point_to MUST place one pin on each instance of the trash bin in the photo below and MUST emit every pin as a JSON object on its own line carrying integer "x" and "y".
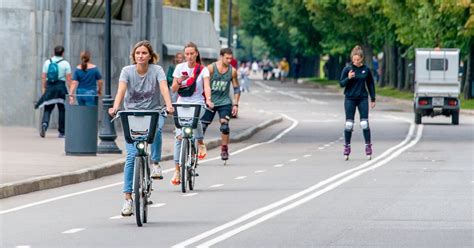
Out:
{"x": 81, "y": 125}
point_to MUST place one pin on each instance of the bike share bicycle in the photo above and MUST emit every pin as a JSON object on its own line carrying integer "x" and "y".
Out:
{"x": 186, "y": 118}
{"x": 139, "y": 128}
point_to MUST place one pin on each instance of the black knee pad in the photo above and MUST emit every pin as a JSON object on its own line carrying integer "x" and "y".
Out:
{"x": 225, "y": 128}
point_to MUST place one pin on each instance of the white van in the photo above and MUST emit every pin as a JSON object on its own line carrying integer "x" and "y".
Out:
{"x": 437, "y": 85}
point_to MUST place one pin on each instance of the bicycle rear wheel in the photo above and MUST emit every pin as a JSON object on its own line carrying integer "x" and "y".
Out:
{"x": 184, "y": 163}
{"x": 138, "y": 187}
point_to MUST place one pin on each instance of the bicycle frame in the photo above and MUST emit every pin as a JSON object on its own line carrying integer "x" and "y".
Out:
{"x": 186, "y": 118}
{"x": 139, "y": 128}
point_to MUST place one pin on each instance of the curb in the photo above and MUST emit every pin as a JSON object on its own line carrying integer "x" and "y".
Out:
{"x": 106, "y": 169}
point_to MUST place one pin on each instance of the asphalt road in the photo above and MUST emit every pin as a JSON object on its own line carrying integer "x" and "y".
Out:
{"x": 288, "y": 186}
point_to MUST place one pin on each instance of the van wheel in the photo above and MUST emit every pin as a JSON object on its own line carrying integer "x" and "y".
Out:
{"x": 455, "y": 117}
{"x": 417, "y": 118}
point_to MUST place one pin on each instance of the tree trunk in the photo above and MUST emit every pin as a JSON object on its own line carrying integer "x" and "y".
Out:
{"x": 400, "y": 69}
{"x": 383, "y": 67}
{"x": 469, "y": 72}
{"x": 393, "y": 66}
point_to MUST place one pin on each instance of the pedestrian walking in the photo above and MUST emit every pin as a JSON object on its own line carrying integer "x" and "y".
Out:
{"x": 223, "y": 75}
{"x": 178, "y": 59}
{"x": 191, "y": 81}
{"x": 56, "y": 74}
{"x": 86, "y": 82}
{"x": 243, "y": 76}
{"x": 296, "y": 67}
{"x": 356, "y": 78}
{"x": 140, "y": 86}
{"x": 284, "y": 69}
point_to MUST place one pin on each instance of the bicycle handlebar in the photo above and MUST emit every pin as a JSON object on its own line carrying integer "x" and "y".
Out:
{"x": 161, "y": 111}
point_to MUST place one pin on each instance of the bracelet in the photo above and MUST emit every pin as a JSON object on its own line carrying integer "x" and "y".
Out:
{"x": 236, "y": 105}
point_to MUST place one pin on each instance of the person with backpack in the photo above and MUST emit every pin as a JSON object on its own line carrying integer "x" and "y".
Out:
{"x": 191, "y": 81}
{"x": 56, "y": 74}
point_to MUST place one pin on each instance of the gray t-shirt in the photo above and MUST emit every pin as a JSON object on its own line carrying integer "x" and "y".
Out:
{"x": 143, "y": 92}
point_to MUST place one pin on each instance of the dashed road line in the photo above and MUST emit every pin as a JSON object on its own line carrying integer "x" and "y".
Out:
{"x": 116, "y": 217}
{"x": 278, "y": 165}
{"x": 74, "y": 230}
{"x": 157, "y": 205}
{"x": 189, "y": 194}
{"x": 259, "y": 171}
{"x": 307, "y": 155}
{"x": 216, "y": 185}
{"x": 293, "y": 160}
{"x": 240, "y": 178}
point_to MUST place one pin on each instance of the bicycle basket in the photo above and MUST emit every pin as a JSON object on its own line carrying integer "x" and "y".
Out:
{"x": 139, "y": 125}
{"x": 186, "y": 114}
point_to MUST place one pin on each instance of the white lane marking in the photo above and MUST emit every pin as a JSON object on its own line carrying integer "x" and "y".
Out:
{"x": 189, "y": 194}
{"x": 295, "y": 123}
{"x": 321, "y": 148}
{"x": 58, "y": 198}
{"x": 313, "y": 195}
{"x": 157, "y": 205}
{"x": 278, "y": 165}
{"x": 259, "y": 171}
{"x": 22, "y": 246}
{"x": 293, "y": 160}
{"x": 307, "y": 155}
{"x": 240, "y": 178}
{"x": 216, "y": 185}
{"x": 74, "y": 230}
{"x": 116, "y": 217}
{"x": 292, "y": 197}
{"x": 327, "y": 145}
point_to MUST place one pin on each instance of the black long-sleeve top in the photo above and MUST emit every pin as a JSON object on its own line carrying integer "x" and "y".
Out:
{"x": 356, "y": 87}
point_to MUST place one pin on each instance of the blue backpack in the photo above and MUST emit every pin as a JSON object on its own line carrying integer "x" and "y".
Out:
{"x": 53, "y": 71}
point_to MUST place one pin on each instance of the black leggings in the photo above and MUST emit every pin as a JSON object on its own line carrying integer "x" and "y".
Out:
{"x": 350, "y": 106}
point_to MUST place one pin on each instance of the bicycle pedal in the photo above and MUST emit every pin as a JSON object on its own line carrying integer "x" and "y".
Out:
{"x": 196, "y": 174}
{"x": 149, "y": 203}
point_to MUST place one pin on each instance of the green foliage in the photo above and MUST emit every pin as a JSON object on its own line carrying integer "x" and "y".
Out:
{"x": 467, "y": 104}
{"x": 283, "y": 25}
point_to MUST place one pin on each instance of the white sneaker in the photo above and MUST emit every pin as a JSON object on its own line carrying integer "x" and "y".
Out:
{"x": 127, "y": 209}
{"x": 156, "y": 172}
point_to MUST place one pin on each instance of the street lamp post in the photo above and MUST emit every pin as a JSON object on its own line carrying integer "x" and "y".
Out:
{"x": 107, "y": 132}
{"x": 229, "y": 22}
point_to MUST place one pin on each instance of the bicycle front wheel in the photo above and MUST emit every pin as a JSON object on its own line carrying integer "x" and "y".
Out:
{"x": 138, "y": 188}
{"x": 192, "y": 168}
{"x": 184, "y": 163}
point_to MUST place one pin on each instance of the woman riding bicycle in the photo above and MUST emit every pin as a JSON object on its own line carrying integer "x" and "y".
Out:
{"x": 141, "y": 85}
{"x": 191, "y": 75}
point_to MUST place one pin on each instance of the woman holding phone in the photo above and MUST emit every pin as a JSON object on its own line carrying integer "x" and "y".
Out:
{"x": 183, "y": 77}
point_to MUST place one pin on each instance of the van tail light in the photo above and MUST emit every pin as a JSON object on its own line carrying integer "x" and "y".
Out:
{"x": 423, "y": 102}
{"x": 452, "y": 102}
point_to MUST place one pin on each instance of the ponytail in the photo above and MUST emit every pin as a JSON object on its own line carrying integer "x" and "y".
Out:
{"x": 85, "y": 58}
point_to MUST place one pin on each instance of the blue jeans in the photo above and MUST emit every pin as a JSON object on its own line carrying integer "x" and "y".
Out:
{"x": 86, "y": 97}
{"x": 132, "y": 152}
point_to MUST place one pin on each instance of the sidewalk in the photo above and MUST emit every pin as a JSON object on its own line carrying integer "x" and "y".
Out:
{"x": 30, "y": 163}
